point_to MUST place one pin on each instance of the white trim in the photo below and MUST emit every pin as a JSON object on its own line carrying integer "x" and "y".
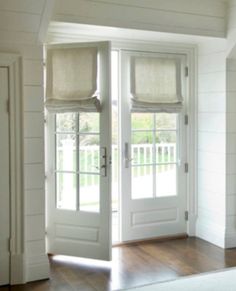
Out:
{"x": 12, "y": 62}
{"x": 37, "y": 268}
{"x": 211, "y": 233}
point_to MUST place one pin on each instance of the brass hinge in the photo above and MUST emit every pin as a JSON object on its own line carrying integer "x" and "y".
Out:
{"x": 186, "y": 71}
{"x": 186, "y": 167}
{"x": 186, "y": 215}
{"x": 186, "y": 119}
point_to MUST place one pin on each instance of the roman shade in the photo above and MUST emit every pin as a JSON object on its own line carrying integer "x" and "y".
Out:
{"x": 155, "y": 84}
{"x": 72, "y": 79}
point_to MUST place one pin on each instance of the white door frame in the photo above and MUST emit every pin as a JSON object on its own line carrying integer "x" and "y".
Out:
{"x": 190, "y": 51}
{"x": 16, "y": 243}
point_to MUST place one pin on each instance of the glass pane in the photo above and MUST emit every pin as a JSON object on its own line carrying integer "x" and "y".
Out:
{"x": 89, "y": 192}
{"x": 66, "y": 152}
{"x": 142, "y": 182}
{"x": 89, "y": 122}
{"x": 66, "y": 191}
{"x": 89, "y": 153}
{"x": 166, "y": 180}
{"x": 142, "y": 147}
{"x": 66, "y": 122}
{"x": 142, "y": 121}
{"x": 166, "y": 146}
{"x": 166, "y": 120}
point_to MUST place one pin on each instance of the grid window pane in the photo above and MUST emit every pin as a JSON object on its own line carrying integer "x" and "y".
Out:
{"x": 142, "y": 121}
{"x": 166, "y": 180}
{"x": 89, "y": 153}
{"x": 166, "y": 146}
{"x": 166, "y": 121}
{"x": 66, "y": 122}
{"x": 89, "y": 192}
{"x": 142, "y": 148}
{"x": 66, "y": 152}
{"x": 66, "y": 191}
{"x": 89, "y": 122}
{"x": 142, "y": 182}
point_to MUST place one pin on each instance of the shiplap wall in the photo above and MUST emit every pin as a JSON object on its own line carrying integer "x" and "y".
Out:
{"x": 231, "y": 129}
{"x": 203, "y": 17}
{"x": 20, "y": 22}
{"x": 212, "y": 143}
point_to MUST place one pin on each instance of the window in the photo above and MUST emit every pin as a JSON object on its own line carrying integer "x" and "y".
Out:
{"x": 77, "y": 161}
{"x": 154, "y": 154}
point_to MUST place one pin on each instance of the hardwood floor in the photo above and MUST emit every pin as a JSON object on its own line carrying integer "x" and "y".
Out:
{"x": 134, "y": 265}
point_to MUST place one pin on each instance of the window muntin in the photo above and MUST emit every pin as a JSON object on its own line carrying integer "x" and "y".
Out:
{"x": 77, "y": 165}
{"x": 154, "y": 138}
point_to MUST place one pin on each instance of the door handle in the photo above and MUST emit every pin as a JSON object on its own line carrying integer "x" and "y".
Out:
{"x": 103, "y": 159}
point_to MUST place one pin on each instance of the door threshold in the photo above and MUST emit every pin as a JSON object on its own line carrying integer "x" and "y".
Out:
{"x": 154, "y": 239}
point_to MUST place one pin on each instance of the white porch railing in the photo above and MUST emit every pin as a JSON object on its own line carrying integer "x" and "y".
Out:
{"x": 142, "y": 154}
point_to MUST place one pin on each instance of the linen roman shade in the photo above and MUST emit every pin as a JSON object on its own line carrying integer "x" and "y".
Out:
{"x": 72, "y": 80}
{"x": 155, "y": 84}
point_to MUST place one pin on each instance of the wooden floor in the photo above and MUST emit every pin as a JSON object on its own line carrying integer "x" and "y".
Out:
{"x": 135, "y": 265}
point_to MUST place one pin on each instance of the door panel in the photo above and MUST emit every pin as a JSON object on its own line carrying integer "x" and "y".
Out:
{"x": 4, "y": 180}
{"x": 153, "y": 182}
{"x": 79, "y": 204}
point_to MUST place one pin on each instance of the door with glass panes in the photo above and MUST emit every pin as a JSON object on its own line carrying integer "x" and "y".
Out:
{"x": 79, "y": 175}
{"x": 153, "y": 182}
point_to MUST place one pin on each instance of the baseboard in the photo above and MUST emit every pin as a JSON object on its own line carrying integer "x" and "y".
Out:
{"x": 230, "y": 239}
{"x": 17, "y": 269}
{"x": 37, "y": 268}
{"x": 211, "y": 233}
{"x": 191, "y": 225}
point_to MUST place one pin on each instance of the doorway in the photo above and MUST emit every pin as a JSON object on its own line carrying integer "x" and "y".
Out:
{"x": 144, "y": 157}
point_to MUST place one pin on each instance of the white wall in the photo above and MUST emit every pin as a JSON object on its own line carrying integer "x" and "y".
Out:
{"x": 202, "y": 17}
{"x": 212, "y": 143}
{"x": 20, "y": 22}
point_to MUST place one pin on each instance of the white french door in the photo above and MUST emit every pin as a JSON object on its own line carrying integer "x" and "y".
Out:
{"x": 79, "y": 174}
{"x": 153, "y": 153}
{"x": 4, "y": 180}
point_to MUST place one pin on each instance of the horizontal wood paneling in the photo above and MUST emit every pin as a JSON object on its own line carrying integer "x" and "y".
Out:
{"x": 27, "y": 6}
{"x": 200, "y": 7}
{"x": 143, "y": 16}
{"x": 19, "y": 21}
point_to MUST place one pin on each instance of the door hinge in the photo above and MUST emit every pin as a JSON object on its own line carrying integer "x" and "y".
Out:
{"x": 186, "y": 215}
{"x": 8, "y": 106}
{"x": 186, "y": 71}
{"x": 10, "y": 245}
{"x": 186, "y": 119}
{"x": 186, "y": 167}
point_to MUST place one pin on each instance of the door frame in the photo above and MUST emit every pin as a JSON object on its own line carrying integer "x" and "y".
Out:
{"x": 190, "y": 51}
{"x": 165, "y": 46}
{"x": 16, "y": 244}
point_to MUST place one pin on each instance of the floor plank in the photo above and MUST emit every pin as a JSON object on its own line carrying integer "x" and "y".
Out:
{"x": 134, "y": 265}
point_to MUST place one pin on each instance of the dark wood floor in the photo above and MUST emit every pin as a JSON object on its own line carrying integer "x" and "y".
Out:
{"x": 135, "y": 265}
